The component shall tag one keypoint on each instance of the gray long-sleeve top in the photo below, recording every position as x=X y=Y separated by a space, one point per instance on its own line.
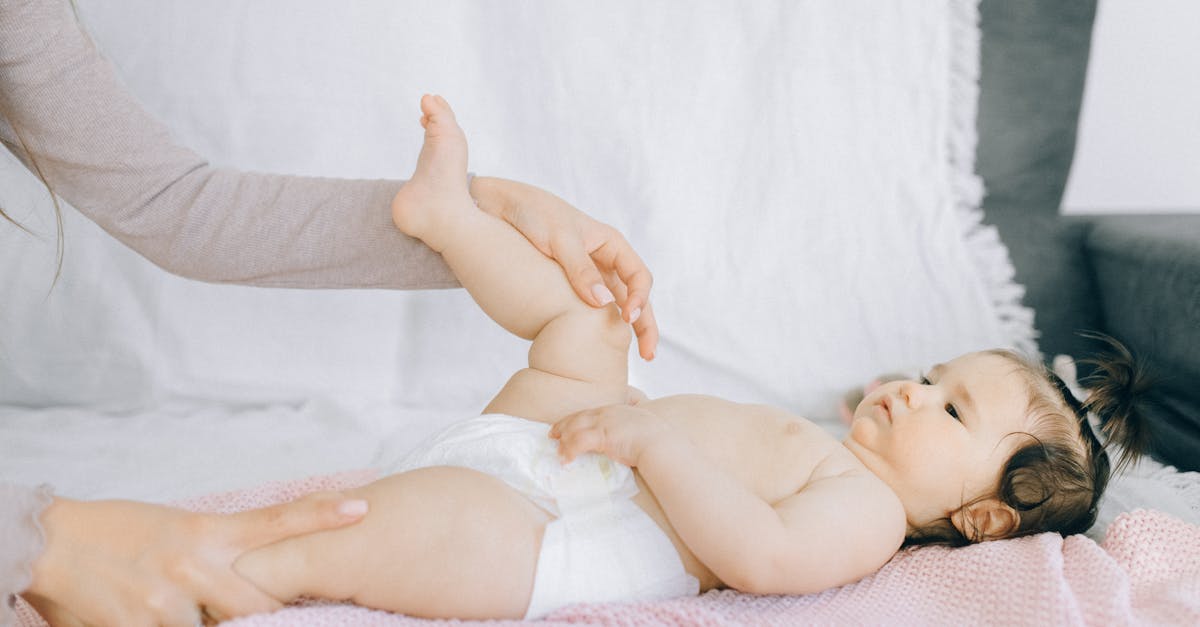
x=99 y=150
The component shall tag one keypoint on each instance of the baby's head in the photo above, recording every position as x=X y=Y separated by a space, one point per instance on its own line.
x=991 y=445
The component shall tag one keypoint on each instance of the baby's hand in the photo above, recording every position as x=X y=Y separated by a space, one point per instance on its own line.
x=621 y=432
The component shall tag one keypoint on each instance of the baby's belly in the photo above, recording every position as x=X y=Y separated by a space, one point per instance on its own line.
x=645 y=500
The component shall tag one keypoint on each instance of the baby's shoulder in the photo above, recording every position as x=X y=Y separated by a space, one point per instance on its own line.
x=862 y=494
x=844 y=524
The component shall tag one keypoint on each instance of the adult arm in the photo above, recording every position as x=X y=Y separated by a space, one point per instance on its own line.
x=102 y=152
x=63 y=103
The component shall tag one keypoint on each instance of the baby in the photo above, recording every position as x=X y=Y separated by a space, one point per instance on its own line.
x=521 y=511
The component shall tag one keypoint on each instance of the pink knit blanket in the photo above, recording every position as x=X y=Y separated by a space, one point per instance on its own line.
x=1147 y=571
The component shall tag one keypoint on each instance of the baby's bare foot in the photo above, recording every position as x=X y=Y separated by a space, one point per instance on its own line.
x=426 y=205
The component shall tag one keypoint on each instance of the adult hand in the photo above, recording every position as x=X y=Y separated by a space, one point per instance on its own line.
x=600 y=264
x=130 y=563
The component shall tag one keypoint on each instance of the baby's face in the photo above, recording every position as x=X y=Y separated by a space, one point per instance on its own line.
x=942 y=441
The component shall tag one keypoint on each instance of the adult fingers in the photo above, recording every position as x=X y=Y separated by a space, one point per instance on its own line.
x=645 y=324
x=231 y=596
x=532 y=224
x=180 y=614
x=162 y=604
x=617 y=255
x=638 y=313
x=646 y=328
x=315 y=512
x=191 y=583
x=568 y=250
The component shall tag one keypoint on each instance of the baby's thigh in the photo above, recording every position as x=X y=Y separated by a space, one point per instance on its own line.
x=438 y=542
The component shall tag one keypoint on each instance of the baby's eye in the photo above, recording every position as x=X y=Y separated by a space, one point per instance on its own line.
x=950 y=409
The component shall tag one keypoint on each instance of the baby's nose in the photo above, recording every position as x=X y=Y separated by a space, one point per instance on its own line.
x=913 y=393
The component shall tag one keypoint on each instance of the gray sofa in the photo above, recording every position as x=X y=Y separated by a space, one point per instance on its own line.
x=1136 y=278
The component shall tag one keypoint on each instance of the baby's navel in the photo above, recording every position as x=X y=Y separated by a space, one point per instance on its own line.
x=793 y=427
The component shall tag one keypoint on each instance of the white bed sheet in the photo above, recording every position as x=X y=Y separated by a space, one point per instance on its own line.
x=188 y=449
x=184 y=449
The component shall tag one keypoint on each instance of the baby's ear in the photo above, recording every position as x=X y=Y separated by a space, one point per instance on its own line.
x=988 y=519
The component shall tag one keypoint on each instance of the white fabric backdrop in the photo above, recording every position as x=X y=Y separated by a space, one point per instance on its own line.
x=798 y=176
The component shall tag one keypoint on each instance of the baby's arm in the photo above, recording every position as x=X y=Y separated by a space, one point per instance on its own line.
x=832 y=532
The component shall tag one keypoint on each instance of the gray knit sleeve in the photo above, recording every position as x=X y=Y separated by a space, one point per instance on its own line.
x=109 y=158
x=21 y=539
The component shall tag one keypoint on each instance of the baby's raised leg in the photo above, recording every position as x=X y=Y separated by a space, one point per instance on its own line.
x=512 y=281
x=438 y=542
x=584 y=350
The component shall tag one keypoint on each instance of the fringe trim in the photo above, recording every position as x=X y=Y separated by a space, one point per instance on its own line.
x=986 y=250
x=1186 y=484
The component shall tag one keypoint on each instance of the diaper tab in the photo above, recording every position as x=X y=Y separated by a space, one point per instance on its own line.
x=603 y=547
x=587 y=485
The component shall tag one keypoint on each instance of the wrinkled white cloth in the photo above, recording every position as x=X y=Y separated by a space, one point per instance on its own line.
x=797 y=175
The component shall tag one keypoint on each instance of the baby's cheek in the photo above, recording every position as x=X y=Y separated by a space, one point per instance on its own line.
x=936 y=469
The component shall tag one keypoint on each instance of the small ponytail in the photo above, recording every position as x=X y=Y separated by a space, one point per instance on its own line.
x=1118 y=391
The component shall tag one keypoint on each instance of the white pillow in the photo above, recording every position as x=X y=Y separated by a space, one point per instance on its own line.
x=797 y=175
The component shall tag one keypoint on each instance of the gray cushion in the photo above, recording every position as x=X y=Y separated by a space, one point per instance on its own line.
x=1033 y=63
x=1032 y=66
x=1147 y=269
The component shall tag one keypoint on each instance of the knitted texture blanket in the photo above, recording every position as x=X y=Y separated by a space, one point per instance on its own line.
x=1146 y=571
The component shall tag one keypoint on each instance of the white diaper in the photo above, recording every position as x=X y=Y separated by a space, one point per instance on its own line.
x=601 y=547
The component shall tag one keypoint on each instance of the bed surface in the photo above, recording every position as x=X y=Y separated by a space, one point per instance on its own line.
x=1145 y=569
x=211 y=448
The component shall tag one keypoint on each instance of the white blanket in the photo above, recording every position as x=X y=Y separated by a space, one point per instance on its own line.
x=797 y=175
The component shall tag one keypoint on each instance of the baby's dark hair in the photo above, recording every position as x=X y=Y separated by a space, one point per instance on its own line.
x=1054 y=483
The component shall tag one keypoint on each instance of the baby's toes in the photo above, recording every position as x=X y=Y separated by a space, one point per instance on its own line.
x=436 y=109
x=439 y=115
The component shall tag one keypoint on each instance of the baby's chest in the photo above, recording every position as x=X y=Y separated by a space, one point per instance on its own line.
x=775 y=458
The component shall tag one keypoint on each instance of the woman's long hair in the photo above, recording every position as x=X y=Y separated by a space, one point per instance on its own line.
x=32 y=162
x=37 y=169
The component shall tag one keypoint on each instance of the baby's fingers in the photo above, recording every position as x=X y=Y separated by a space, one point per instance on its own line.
x=231 y=596
x=573 y=422
x=577 y=442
